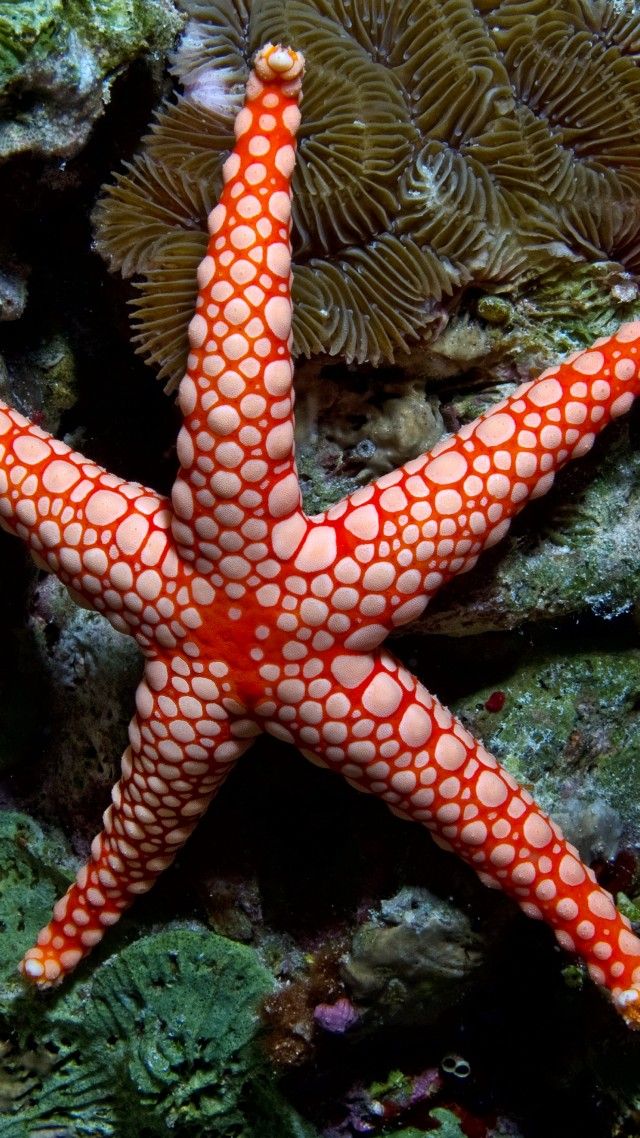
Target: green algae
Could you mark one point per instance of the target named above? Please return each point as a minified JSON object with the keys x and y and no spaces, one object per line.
{"x":323,"y":480}
{"x":24,"y":25}
{"x":160,"y":1039}
{"x":628,"y":907}
{"x":448,"y":1125}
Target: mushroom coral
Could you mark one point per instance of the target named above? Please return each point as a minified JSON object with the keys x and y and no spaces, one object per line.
{"x":445,"y":146}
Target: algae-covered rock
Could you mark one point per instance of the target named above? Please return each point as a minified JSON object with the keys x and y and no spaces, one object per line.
{"x":90,"y":672}
{"x":413,"y":958}
{"x":35,"y":868}
{"x":58,"y":61}
{"x":570,"y":728}
{"x":40,"y":381}
{"x":516,"y":335}
{"x":350,"y":430}
{"x":161,"y":1040}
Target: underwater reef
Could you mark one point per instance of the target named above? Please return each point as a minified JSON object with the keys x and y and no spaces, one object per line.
{"x":142,"y":1048}
{"x":312,"y":967}
{"x":446,"y":150}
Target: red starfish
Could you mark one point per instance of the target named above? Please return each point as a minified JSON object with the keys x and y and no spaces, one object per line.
{"x":254,"y":617}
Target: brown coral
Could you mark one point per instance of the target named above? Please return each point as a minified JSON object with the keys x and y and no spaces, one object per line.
{"x":445,"y":146}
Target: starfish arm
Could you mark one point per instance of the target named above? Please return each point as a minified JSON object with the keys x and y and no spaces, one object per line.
{"x":412,"y":530}
{"x":95,"y":531}
{"x":374,"y":723}
{"x":236,"y":445}
{"x":174,"y":765}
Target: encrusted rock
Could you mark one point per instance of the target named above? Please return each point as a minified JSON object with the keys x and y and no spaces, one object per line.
{"x":415,"y":956}
{"x":58,"y":62}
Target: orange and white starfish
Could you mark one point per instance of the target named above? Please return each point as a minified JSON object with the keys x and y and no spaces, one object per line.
{"x":254,"y":617}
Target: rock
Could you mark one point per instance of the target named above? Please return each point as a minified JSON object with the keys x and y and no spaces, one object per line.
{"x":413,"y":958}
{"x":58,"y":62}
{"x":569,"y":728}
{"x":13,"y":295}
{"x":90,"y":671}
{"x":349,"y":430}
{"x":40,"y":381}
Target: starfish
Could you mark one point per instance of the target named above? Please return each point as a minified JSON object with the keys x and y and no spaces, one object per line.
{"x":254,"y":617}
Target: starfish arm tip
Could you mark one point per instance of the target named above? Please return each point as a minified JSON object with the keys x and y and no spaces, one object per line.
{"x":277,"y":62}
{"x":39,"y":970}
{"x":627,"y":1004}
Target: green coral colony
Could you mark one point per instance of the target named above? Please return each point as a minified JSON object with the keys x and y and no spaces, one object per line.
{"x":445,"y":147}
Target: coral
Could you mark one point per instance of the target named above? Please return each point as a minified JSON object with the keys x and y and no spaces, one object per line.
{"x":58,"y":61}
{"x":445,"y":149}
{"x":178,"y":1010}
{"x":162,"y":1041}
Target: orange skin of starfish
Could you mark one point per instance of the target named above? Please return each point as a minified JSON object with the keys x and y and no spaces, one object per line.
{"x":254,"y":617}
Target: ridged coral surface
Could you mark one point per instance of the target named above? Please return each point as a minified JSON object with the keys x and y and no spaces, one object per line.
{"x":445,"y":148}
